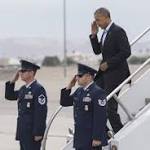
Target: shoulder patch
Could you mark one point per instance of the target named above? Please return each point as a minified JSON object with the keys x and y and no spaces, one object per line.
{"x":42,"y":99}
{"x":102,"y":102}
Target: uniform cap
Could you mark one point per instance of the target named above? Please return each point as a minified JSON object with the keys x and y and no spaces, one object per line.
{"x":28,"y":65}
{"x":83,"y":69}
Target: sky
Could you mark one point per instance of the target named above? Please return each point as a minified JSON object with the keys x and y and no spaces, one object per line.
{"x":44,"y":18}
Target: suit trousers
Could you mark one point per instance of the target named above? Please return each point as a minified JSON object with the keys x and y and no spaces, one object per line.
{"x":113,"y":116}
{"x":112,"y":107}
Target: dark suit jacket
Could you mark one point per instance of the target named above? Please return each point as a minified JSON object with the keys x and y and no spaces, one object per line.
{"x":115,"y":51}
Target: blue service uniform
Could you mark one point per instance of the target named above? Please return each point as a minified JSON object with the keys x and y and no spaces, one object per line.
{"x":32,"y":113}
{"x":89,"y":115}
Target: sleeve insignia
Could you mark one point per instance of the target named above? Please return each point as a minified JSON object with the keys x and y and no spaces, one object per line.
{"x":102,"y":102}
{"x":42,"y":99}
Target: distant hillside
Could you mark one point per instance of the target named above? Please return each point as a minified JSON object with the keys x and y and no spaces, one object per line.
{"x":39,"y":47}
{"x":29,"y":47}
{"x":141,"y":49}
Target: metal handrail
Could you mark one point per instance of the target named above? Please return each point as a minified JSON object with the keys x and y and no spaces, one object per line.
{"x":140,"y":36}
{"x":128,"y":79}
{"x":112,"y":94}
{"x":48,"y":127}
{"x":130,"y":116}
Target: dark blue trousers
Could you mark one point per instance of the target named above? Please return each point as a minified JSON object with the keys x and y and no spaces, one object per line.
{"x":30,"y":144}
{"x":93,"y":148}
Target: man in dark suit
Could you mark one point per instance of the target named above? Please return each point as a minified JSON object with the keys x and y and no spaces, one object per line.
{"x":32,"y":106}
{"x":89,"y":102}
{"x":115,"y":49}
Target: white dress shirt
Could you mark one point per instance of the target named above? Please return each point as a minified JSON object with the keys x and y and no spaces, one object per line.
{"x":27,"y":85}
{"x":86,"y":87}
{"x":105,"y":32}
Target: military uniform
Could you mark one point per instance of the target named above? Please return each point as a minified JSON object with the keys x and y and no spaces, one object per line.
{"x":32,"y":112}
{"x":89,"y":115}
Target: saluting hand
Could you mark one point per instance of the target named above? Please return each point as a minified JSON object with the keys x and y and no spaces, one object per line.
{"x":72,"y":83}
{"x":104,"y":66}
{"x":15,"y":77}
{"x":94,"y":28}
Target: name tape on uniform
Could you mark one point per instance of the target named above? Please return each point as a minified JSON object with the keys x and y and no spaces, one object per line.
{"x":87,"y":99}
{"x":29,"y":95}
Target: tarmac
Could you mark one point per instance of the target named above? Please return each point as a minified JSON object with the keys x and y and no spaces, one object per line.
{"x":53,"y":80}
